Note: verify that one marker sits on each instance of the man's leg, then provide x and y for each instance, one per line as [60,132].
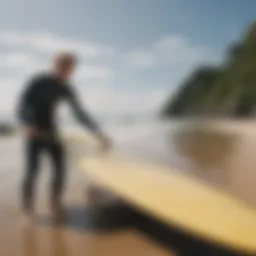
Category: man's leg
[32,151]
[57,154]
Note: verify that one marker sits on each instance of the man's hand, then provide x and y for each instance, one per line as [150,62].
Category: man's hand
[105,143]
[31,131]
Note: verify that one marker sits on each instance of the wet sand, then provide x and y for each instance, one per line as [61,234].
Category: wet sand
[76,237]
[223,155]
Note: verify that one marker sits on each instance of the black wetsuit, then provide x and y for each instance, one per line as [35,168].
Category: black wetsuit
[37,109]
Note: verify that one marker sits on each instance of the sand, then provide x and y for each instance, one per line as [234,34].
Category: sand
[41,238]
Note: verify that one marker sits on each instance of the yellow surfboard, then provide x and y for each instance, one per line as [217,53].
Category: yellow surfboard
[176,198]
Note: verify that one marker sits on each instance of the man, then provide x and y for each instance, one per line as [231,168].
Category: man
[36,111]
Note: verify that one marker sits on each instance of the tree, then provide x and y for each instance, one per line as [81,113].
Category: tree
[229,89]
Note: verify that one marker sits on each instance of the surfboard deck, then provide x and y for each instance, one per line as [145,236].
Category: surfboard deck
[178,199]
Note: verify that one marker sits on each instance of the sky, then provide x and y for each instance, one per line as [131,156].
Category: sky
[133,54]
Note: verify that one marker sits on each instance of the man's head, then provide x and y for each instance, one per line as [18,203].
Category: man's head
[64,65]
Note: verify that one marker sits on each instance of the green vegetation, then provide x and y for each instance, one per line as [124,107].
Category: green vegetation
[226,90]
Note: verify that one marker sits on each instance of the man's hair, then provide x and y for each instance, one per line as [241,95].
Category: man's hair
[66,59]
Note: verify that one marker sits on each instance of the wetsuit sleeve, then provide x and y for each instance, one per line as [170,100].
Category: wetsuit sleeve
[26,111]
[80,113]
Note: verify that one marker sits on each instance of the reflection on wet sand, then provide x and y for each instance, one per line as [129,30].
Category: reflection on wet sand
[29,246]
[51,241]
[57,242]
[34,243]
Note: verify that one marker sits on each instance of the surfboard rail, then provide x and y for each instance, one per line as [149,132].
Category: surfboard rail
[178,199]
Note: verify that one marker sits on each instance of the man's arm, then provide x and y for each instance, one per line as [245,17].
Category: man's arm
[83,116]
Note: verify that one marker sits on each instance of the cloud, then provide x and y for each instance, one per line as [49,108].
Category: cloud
[177,49]
[31,50]
[170,42]
[141,59]
[28,53]
[95,72]
[28,63]
[168,50]
[50,44]
[108,100]
[9,90]
[21,62]
[17,60]
[21,65]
